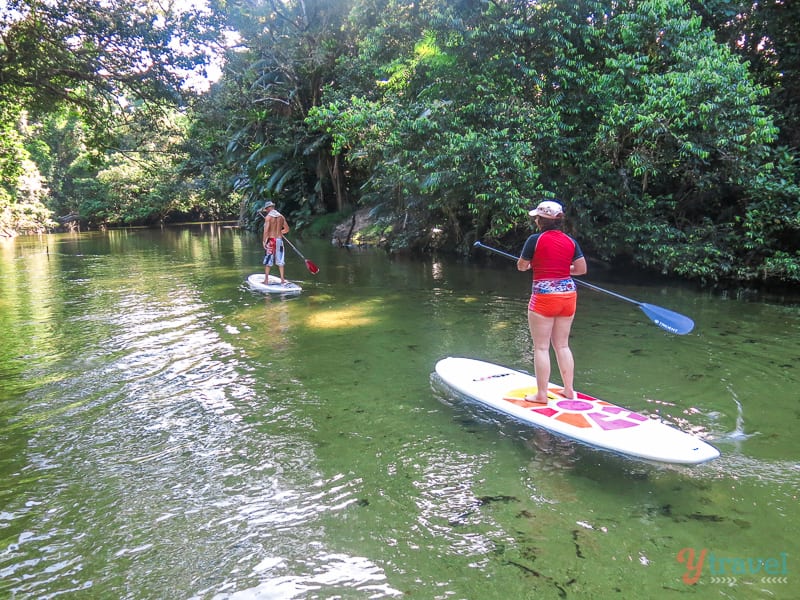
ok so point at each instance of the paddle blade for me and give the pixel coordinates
(668, 320)
(314, 269)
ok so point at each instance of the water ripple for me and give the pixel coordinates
(333, 575)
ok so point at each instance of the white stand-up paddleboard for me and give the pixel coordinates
(274, 286)
(584, 418)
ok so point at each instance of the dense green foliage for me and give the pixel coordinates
(668, 128)
(655, 134)
(90, 94)
(765, 35)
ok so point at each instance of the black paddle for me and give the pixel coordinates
(666, 319)
(310, 265)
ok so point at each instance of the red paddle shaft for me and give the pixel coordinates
(313, 269)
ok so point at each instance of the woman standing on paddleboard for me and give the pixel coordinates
(554, 257)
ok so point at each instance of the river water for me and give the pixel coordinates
(167, 433)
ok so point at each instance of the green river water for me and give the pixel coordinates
(167, 433)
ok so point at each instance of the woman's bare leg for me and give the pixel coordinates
(541, 329)
(566, 363)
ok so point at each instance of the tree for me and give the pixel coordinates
(765, 35)
(22, 189)
(655, 133)
(110, 60)
(438, 128)
(100, 54)
(274, 77)
(450, 118)
(680, 130)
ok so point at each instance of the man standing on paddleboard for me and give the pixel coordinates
(275, 227)
(554, 257)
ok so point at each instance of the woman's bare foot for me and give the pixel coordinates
(536, 399)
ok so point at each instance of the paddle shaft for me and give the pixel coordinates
(309, 265)
(664, 318)
(300, 254)
(589, 285)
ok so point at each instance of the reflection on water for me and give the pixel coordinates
(166, 432)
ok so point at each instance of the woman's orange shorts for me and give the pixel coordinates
(554, 305)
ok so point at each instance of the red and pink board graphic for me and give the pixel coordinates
(583, 411)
